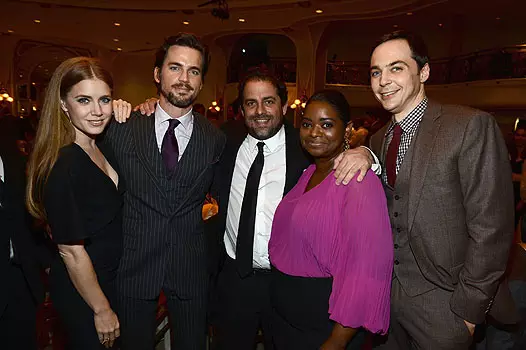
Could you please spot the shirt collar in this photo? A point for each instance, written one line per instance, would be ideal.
(271, 144)
(409, 123)
(161, 117)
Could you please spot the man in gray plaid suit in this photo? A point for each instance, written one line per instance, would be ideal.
(448, 183)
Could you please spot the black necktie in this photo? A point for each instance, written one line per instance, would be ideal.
(247, 220)
(170, 147)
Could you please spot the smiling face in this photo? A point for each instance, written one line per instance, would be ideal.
(180, 77)
(396, 80)
(88, 106)
(322, 132)
(262, 109)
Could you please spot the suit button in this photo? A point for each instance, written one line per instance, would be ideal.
(396, 246)
(398, 229)
(395, 214)
(396, 262)
(397, 197)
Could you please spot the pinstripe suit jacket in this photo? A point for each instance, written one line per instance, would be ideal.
(163, 231)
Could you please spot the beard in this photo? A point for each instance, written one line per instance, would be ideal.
(178, 100)
(263, 132)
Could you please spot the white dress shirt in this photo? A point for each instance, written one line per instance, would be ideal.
(270, 193)
(183, 131)
(2, 178)
(1, 169)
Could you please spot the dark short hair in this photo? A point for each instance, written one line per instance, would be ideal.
(258, 75)
(416, 44)
(185, 40)
(336, 100)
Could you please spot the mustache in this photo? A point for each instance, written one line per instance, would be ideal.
(183, 86)
(261, 116)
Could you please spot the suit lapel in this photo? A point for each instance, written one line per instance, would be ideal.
(148, 152)
(421, 149)
(192, 161)
(228, 163)
(296, 160)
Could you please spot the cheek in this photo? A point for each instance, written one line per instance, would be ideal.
(107, 109)
(77, 113)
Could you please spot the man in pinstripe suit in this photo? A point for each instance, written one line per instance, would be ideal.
(167, 163)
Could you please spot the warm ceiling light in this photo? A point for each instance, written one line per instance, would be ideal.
(117, 24)
(303, 104)
(409, 13)
(35, 108)
(440, 24)
(33, 83)
(395, 25)
(241, 20)
(116, 40)
(293, 106)
(36, 20)
(119, 49)
(218, 108)
(319, 11)
(497, 18)
(214, 103)
(9, 99)
(10, 31)
(186, 22)
(5, 95)
(297, 102)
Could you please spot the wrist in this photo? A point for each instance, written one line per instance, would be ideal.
(99, 309)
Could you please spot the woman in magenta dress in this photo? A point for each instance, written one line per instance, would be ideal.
(331, 247)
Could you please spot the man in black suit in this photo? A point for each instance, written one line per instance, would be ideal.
(22, 288)
(167, 162)
(262, 162)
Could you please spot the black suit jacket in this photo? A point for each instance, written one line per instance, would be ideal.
(163, 231)
(297, 161)
(14, 226)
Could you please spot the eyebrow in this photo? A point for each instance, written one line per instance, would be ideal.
(391, 64)
(88, 96)
(182, 65)
(263, 99)
(321, 119)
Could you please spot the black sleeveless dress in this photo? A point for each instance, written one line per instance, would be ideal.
(83, 204)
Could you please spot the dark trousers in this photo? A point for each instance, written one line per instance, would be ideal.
(138, 322)
(243, 307)
(508, 337)
(424, 322)
(18, 319)
(300, 313)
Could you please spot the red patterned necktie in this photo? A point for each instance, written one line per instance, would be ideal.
(392, 155)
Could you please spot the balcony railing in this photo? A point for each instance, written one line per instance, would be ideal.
(504, 63)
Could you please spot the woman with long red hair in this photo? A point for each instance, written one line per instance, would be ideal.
(74, 187)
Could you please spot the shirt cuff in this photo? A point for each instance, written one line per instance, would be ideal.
(376, 167)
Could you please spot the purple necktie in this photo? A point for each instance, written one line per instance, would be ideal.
(170, 148)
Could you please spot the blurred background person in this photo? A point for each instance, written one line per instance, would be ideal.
(23, 256)
(517, 151)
